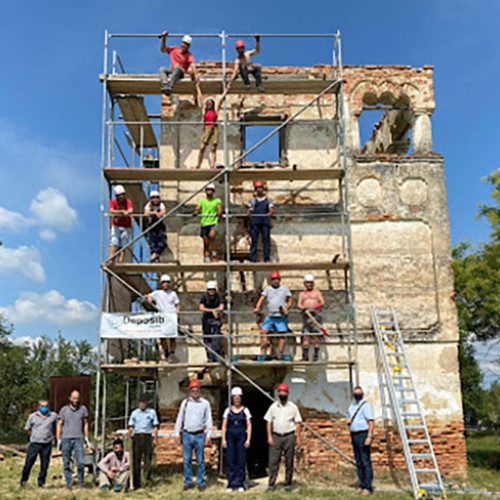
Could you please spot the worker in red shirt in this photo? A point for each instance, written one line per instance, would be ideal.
(121, 209)
(181, 62)
(210, 134)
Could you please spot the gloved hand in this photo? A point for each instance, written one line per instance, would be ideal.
(317, 307)
(59, 445)
(87, 443)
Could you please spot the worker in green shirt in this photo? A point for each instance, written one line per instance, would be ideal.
(210, 209)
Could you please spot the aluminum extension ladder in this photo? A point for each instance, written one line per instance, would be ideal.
(397, 384)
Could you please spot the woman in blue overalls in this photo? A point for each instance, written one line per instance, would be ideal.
(236, 435)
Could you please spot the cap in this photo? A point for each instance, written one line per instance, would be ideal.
(211, 285)
(236, 391)
(154, 193)
(258, 184)
(165, 277)
(187, 39)
(210, 186)
(308, 277)
(143, 397)
(283, 388)
(275, 275)
(194, 383)
(119, 189)
(240, 44)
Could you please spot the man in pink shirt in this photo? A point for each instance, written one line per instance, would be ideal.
(121, 209)
(310, 300)
(181, 62)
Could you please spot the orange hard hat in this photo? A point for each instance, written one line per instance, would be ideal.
(258, 184)
(194, 383)
(283, 388)
(275, 275)
(240, 44)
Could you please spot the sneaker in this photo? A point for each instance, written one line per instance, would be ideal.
(22, 484)
(261, 89)
(261, 357)
(271, 488)
(229, 490)
(241, 490)
(105, 487)
(247, 86)
(305, 357)
(173, 359)
(206, 260)
(117, 488)
(187, 487)
(316, 357)
(203, 487)
(287, 487)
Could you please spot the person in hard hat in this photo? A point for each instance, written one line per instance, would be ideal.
(236, 437)
(143, 429)
(120, 207)
(166, 300)
(260, 209)
(244, 66)
(279, 302)
(194, 428)
(210, 135)
(310, 300)
(361, 422)
(114, 469)
(181, 62)
(283, 435)
(41, 428)
(156, 237)
(212, 306)
(210, 210)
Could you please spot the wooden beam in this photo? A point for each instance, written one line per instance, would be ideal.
(274, 84)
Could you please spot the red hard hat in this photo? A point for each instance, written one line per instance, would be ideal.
(194, 383)
(258, 184)
(275, 275)
(283, 387)
(240, 44)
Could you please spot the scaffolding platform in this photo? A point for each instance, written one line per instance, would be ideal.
(117, 175)
(122, 84)
(221, 266)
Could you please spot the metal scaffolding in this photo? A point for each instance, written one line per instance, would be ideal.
(140, 138)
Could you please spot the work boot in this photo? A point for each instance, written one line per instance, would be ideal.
(173, 358)
(260, 89)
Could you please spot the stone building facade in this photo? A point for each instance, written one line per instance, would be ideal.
(400, 241)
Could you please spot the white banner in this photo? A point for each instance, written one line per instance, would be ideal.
(138, 326)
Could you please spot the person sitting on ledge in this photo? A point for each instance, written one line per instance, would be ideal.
(156, 237)
(182, 61)
(279, 302)
(244, 66)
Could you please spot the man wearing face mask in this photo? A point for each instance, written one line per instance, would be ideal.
(361, 423)
(41, 427)
(283, 435)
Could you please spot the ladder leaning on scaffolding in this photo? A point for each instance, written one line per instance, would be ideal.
(397, 384)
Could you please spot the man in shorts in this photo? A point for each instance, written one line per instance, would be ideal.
(210, 135)
(310, 300)
(279, 302)
(210, 210)
(121, 209)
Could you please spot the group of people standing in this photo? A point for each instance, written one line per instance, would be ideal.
(194, 430)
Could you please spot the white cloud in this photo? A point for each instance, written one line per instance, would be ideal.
(22, 260)
(50, 307)
(14, 221)
(52, 209)
(47, 234)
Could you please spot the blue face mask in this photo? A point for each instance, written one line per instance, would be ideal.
(44, 410)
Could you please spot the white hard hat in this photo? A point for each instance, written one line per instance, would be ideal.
(154, 193)
(236, 391)
(119, 189)
(210, 186)
(165, 277)
(308, 277)
(211, 285)
(187, 39)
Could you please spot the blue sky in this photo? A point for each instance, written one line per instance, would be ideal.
(51, 104)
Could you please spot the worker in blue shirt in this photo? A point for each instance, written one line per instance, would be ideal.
(361, 423)
(143, 427)
(260, 209)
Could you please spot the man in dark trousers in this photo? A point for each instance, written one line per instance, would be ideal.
(283, 435)
(143, 427)
(361, 423)
(244, 66)
(72, 429)
(260, 209)
(212, 306)
(41, 427)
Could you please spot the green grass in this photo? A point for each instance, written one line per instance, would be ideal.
(484, 473)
